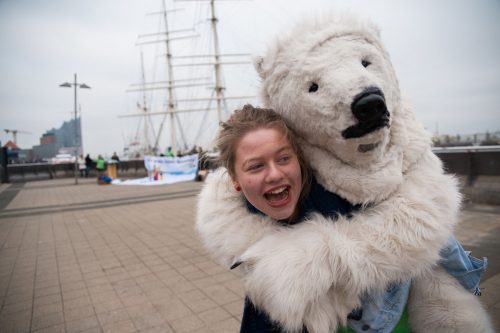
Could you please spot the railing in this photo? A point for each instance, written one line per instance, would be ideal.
(471, 161)
(40, 171)
(466, 161)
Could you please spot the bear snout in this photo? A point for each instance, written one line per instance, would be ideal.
(369, 105)
(370, 110)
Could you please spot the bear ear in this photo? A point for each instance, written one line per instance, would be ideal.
(258, 62)
(261, 66)
(265, 64)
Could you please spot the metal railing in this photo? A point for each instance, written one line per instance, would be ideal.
(40, 171)
(471, 161)
(467, 161)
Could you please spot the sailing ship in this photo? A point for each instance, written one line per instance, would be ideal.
(195, 97)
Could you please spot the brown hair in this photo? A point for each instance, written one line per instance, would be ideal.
(249, 119)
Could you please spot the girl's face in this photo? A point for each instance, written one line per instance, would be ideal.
(268, 172)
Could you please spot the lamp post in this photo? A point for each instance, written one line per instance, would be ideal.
(76, 85)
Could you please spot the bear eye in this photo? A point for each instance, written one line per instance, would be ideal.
(313, 87)
(365, 63)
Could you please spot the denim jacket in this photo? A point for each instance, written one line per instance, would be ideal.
(380, 309)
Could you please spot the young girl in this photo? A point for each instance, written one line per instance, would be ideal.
(265, 164)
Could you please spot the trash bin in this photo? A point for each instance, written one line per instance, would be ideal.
(112, 169)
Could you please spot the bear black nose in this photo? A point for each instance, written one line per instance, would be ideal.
(369, 107)
(371, 112)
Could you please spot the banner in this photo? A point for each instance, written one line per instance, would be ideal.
(185, 165)
(165, 170)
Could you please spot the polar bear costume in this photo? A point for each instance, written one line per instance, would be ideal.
(315, 272)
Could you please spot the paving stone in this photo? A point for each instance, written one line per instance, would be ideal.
(103, 295)
(124, 326)
(81, 325)
(46, 300)
(47, 320)
(47, 291)
(205, 282)
(44, 310)
(235, 309)
(112, 316)
(16, 307)
(46, 281)
(230, 325)
(76, 293)
(158, 329)
(133, 300)
(145, 316)
(15, 322)
(52, 329)
(187, 324)
(79, 313)
(76, 303)
(158, 293)
(214, 316)
(220, 294)
(172, 309)
(106, 306)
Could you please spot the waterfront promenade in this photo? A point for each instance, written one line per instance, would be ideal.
(91, 258)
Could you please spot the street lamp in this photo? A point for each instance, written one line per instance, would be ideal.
(84, 86)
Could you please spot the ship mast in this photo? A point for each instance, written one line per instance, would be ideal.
(171, 84)
(144, 107)
(171, 97)
(219, 90)
(220, 97)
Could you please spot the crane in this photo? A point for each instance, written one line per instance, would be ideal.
(14, 133)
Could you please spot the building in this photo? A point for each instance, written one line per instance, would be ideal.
(477, 139)
(61, 140)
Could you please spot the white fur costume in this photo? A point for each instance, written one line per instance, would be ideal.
(315, 272)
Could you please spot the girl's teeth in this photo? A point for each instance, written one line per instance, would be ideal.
(278, 190)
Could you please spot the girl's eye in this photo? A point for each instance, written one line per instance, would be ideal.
(254, 167)
(313, 87)
(284, 159)
(365, 63)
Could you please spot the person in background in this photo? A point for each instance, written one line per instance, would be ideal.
(115, 157)
(88, 165)
(81, 165)
(169, 152)
(100, 165)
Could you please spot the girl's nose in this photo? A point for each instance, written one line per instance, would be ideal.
(274, 173)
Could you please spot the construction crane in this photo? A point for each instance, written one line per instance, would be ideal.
(14, 133)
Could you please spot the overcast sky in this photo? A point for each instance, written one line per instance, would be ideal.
(446, 54)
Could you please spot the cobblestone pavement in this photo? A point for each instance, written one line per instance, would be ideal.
(91, 258)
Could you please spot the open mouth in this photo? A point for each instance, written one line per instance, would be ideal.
(278, 197)
(361, 129)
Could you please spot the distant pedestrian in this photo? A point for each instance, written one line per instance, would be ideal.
(115, 157)
(169, 152)
(88, 165)
(100, 165)
(81, 165)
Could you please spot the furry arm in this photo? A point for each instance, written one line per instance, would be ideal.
(400, 238)
(224, 223)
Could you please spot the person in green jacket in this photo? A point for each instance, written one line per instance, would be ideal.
(169, 152)
(100, 165)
